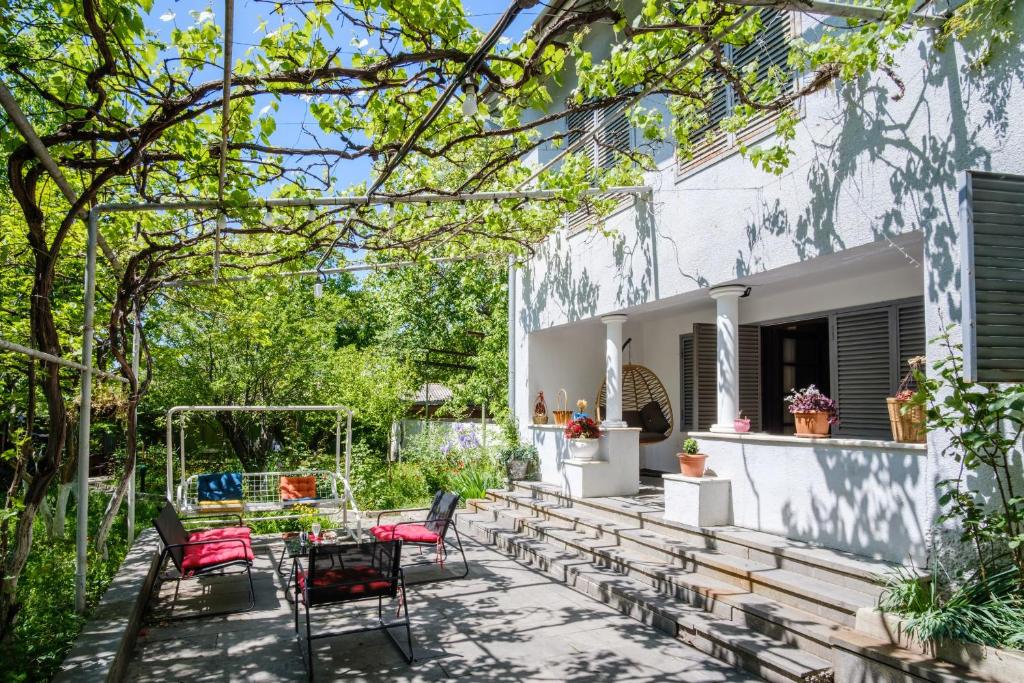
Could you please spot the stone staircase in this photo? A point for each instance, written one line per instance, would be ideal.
(759, 602)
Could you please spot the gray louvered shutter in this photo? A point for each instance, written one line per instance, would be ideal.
(911, 335)
(863, 372)
(687, 382)
(614, 136)
(750, 374)
(705, 338)
(706, 350)
(994, 276)
(770, 47)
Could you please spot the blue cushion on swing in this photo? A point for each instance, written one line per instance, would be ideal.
(220, 486)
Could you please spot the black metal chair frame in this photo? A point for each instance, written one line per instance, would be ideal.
(434, 516)
(219, 569)
(394, 576)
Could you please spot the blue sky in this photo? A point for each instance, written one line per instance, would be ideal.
(293, 113)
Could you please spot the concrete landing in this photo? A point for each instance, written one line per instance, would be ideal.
(506, 622)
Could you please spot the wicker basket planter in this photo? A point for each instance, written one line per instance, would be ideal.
(561, 412)
(907, 427)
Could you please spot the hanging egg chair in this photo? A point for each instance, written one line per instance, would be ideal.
(645, 403)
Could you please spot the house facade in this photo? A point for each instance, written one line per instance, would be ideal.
(901, 214)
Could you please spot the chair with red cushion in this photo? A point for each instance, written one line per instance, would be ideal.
(201, 553)
(431, 531)
(352, 572)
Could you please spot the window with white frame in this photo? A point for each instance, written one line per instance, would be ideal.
(770, 48)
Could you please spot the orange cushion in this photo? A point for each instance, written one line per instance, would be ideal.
(298, 487)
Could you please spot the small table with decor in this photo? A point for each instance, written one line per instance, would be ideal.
(297, 545)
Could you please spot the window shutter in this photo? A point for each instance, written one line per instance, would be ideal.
(750, 374)
(863, 372)
(992, 207)
(705, 336)
(770, 46)
(687, 373)
(705, 351)
(911, 336)
(614, 136)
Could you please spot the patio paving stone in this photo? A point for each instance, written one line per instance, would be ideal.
(505, 622)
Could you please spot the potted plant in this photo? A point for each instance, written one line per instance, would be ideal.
(741, 424)
(691, 460)
(813, 412)
(906, 417)
(520, 461)
(583, 435)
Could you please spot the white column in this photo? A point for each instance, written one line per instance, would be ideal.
(613, 370)
(727, 321)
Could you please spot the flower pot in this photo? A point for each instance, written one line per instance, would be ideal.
(907, 427)
(741, 425)
(518, 469)
(692, 465)
(811, 424)
(584, 449)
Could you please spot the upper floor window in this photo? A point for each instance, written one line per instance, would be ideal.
(608, 132)
(770, 48)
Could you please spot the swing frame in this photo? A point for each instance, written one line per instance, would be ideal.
(343, 501)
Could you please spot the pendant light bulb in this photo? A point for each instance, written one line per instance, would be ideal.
(318, 290)
(469, 104)
(310, 215)
(268, 216)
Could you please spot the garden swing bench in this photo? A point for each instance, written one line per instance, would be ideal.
(266, 495)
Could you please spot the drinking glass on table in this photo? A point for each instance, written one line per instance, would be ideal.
(316, 530)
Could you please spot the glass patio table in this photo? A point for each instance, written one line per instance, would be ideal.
(297, 546)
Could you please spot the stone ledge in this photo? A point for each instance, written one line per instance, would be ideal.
(103, 648)
(760, 437)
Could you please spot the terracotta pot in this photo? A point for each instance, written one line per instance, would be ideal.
(692, 465)
(584, 449)
(741, 425)
(811, 424)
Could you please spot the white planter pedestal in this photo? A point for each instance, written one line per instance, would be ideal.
(698, 501)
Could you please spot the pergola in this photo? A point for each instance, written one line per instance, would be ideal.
(95, 239)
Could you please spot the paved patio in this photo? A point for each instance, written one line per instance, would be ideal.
(505, 622)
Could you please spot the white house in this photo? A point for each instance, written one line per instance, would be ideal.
(735, 285)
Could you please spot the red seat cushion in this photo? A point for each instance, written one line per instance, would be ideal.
(205, 555)
(345, 583)
(410, 533)
(222, 532)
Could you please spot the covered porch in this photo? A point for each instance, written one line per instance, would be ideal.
(846, 323)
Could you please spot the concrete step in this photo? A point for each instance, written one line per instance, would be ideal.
(861, 574)
(726, 640)
(838, 603)
(810, 632)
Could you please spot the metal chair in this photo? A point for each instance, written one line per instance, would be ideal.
(431, 531)
(349, 572)
(201, 553)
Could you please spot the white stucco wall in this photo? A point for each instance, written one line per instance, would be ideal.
(873, 180)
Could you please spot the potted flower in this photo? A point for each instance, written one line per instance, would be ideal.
(813, 411)
(906, 417)
(741, 424)
(583, 435)
(520, 461)
(691, 460)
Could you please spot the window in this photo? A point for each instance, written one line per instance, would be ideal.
(613, 135)
(770, 48)
(992, 214)
(856, 355)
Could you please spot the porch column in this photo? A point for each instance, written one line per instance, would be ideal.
(728, 299)
(613, 370)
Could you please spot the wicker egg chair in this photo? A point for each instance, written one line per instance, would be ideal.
(640, 387)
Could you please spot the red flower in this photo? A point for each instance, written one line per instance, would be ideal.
(582, 428)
